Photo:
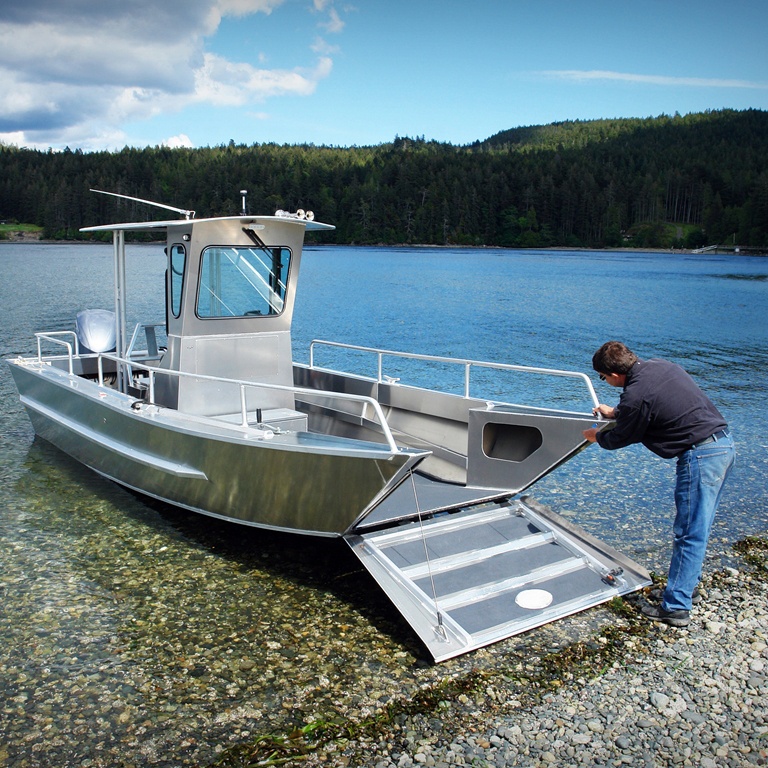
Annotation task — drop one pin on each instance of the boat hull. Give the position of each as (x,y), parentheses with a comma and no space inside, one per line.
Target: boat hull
(295,482)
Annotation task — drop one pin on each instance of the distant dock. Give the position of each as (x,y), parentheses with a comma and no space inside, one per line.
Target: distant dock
(747,250)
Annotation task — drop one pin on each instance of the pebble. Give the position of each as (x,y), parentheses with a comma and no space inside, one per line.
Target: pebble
(659,700)
(696,697)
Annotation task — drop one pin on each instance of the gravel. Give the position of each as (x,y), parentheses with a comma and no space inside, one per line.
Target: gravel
(690,697)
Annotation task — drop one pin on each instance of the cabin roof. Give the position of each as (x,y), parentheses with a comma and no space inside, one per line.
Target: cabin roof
(148,226)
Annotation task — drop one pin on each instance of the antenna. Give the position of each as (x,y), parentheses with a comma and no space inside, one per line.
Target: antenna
(244,192)
(186,214)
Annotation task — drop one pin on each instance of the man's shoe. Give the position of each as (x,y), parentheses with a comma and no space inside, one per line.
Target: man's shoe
(679,618)
(657,593)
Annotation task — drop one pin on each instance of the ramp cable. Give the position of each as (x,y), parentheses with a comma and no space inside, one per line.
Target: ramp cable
(439,629)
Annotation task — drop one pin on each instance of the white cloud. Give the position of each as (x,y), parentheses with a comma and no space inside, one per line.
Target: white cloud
(224,83)
(334,23)
(182,140)
(76,72)
(221,8)
(62,55)
(697,82)
(15,138)
(247,7)
(320,46)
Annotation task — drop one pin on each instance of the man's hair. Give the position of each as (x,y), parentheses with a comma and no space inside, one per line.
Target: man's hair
(613,357)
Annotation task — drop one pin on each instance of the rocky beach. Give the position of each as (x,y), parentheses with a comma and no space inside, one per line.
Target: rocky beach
(635,693)
(691,697)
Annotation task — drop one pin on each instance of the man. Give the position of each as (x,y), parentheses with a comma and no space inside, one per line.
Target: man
(663,408)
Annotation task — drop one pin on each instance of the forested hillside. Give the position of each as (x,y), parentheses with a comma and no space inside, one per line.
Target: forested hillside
(666,181)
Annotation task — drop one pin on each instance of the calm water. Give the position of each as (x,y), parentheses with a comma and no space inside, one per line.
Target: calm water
(553,309)
(136,634)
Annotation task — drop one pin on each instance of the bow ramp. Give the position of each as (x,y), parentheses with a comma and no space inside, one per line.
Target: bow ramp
(491,570)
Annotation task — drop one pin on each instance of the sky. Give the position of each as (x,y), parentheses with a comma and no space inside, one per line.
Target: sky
(105,74)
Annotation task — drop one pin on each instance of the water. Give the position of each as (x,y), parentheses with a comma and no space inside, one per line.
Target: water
(554,309)
(135,634)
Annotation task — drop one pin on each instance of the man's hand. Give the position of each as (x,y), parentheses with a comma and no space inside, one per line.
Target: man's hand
(591,434)
(604,411)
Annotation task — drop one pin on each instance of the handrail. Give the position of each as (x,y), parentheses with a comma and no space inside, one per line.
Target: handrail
(51,336)
(467,363)
(244,385)
(134,338)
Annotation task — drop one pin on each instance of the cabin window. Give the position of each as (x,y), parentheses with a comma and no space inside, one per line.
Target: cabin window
(242,282)
(178,261)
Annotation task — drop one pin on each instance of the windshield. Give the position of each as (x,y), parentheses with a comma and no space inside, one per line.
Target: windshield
(242,282)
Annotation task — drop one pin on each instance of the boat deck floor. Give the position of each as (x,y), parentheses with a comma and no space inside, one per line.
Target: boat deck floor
(430,496)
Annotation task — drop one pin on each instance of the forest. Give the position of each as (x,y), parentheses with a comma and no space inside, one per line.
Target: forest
(658,182)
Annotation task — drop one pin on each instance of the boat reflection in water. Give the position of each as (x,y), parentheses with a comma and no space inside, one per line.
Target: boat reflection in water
(208,411)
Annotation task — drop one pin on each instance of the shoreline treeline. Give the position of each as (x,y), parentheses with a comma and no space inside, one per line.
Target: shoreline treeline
(682,181)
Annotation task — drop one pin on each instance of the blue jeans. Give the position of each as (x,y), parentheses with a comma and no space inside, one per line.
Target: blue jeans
(701,475)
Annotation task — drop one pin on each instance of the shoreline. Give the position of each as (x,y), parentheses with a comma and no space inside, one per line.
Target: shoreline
(635,692)
(29,239)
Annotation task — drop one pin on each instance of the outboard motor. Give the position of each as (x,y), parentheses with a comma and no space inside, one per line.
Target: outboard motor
(96,330)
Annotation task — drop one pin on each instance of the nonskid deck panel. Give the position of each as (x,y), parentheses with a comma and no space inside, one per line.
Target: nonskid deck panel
(466,579)
(430,497)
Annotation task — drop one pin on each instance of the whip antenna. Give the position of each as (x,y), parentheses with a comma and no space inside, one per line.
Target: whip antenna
(186,214)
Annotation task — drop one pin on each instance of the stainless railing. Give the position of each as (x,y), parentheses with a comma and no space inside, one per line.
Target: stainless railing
(150,336)
(365,401)
(468,365)
(244,386)
(52,336)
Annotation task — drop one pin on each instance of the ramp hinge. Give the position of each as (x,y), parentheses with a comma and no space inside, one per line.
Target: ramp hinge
(612,577)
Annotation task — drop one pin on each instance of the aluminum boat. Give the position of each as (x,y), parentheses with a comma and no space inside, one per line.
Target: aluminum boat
(208,411)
